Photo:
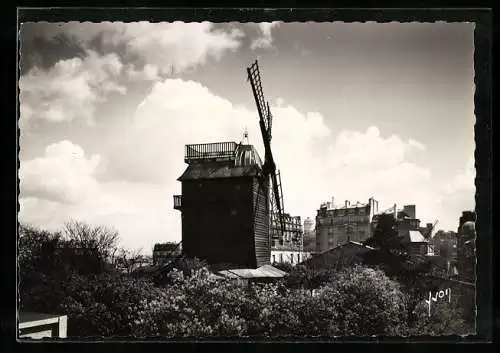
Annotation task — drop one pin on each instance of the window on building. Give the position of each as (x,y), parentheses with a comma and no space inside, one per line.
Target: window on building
(274,258)
(281,257)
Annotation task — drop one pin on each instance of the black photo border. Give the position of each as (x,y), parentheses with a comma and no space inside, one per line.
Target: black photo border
(483,154)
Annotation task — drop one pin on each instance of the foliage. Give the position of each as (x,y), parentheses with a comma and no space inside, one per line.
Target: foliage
(445,319)
(100,238)
(127,260)
(283,266)
(416,274)
(191,302)
(305,277)
(366,302)
(182,264)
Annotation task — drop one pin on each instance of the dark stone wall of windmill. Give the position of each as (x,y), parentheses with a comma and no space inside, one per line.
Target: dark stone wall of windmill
(217,220)
(261,222)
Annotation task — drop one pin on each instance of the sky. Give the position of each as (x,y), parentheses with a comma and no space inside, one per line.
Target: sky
(360,110)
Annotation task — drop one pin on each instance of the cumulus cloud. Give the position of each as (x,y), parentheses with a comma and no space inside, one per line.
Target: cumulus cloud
(265,40)
(64,174)
(70,89)
(62,185)
(136,196)
(459,194)
(464,180)
(165,46)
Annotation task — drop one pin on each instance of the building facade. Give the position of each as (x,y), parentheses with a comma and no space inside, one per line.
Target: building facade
(409,231)
(336,225)
(309,235)
(466,247)
(289,246)
(445,245)
(166,252)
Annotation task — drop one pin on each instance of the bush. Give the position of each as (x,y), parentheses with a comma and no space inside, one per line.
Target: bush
(283,266)
(308,278)
(366,302)
(109,304)
(445,319)
(191,302)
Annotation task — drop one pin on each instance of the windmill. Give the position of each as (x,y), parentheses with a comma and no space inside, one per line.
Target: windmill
(269,171)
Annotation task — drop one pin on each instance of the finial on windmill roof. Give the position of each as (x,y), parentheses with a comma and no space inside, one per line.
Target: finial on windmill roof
(245,136)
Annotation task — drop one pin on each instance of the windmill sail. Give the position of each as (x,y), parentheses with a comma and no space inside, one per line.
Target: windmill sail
(269,168)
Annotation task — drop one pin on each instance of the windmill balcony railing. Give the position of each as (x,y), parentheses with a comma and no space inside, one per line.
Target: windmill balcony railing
(210,151)
(178,202)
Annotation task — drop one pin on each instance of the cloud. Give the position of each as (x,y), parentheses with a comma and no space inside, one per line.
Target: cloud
(459,194)
(70,89)
(167,47)
(62,175)
(131,185)
(265,40)
(62,185)
(464,180)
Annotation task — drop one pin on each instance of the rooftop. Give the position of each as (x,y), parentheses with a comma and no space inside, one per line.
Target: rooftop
(220,160)
(238,155)
(266,271)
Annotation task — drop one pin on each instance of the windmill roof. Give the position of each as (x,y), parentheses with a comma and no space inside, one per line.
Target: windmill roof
(217,171)
(221,160)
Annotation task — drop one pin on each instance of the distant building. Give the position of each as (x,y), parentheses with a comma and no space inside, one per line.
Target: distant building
(347,254)
(309,235)
(338,225)
(166,252)
(466,247)
(409,232)
(427,230)
(289,246)
(445,245)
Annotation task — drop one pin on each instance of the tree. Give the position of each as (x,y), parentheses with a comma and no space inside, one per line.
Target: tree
(414,273)
(128,259)
(366,302)
(101,239)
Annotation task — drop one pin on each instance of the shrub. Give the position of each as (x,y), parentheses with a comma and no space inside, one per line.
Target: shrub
(110,304)
(365,302)
(308,278)
(284,266)
(445,319)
